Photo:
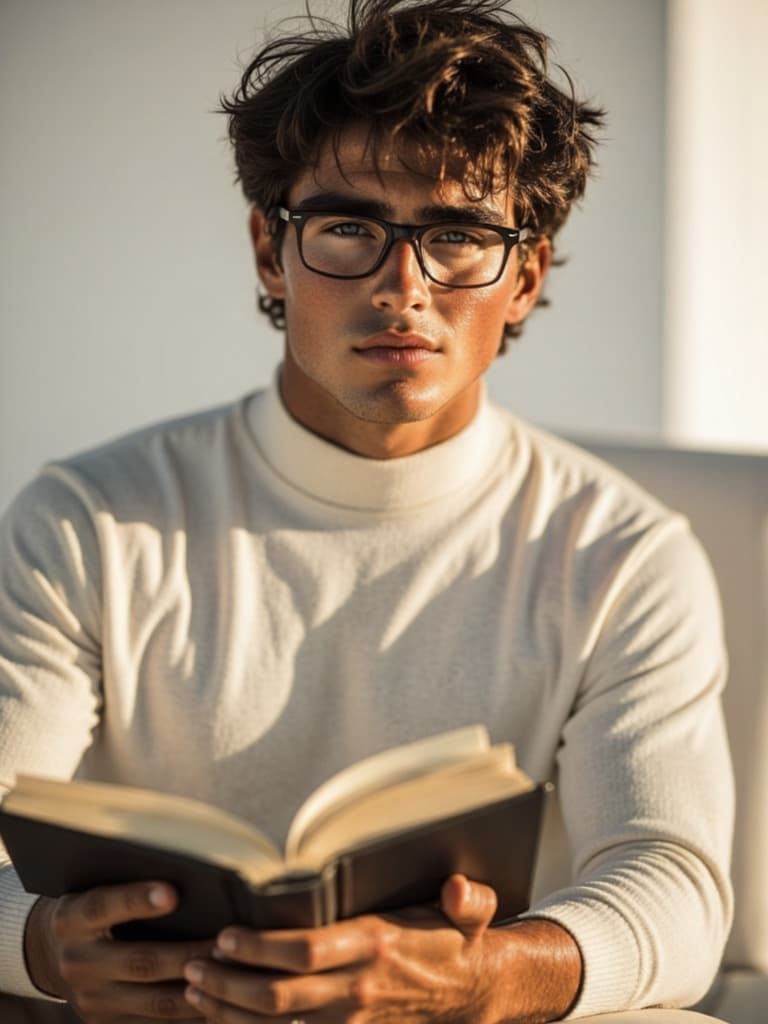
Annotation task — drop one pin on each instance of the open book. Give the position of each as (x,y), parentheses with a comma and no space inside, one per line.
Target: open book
(381,834)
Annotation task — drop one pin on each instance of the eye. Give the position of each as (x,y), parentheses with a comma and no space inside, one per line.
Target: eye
(455,236)
(349,229)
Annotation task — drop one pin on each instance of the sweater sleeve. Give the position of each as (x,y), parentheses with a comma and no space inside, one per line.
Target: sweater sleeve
(645,785)
(50,665)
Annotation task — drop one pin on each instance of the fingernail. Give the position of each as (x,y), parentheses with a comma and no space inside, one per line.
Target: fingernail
(193,972)
(227,942)
(159,896)
(192,995)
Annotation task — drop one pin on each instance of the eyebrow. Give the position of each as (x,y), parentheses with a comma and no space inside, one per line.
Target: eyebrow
(338,202)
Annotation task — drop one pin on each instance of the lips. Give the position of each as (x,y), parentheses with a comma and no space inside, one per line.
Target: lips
(392,350)
(390,340)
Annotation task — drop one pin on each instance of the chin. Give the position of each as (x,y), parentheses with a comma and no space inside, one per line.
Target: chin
(396,402)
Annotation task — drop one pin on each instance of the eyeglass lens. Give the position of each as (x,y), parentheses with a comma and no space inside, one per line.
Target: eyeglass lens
(453,254)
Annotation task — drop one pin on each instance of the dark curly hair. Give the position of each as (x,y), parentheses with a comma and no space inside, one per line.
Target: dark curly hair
(462,80)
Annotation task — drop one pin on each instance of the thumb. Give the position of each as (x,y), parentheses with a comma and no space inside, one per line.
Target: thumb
(469,906)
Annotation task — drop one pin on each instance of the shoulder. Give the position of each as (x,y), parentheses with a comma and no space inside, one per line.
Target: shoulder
(146,475)
(590,527)
(564,479)
(161,461)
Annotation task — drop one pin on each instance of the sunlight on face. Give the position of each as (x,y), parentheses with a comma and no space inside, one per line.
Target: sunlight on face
(391,362)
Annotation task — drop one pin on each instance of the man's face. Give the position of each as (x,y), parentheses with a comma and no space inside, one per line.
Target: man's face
(391,363)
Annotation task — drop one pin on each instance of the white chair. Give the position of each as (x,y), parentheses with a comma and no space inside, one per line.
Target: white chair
(725,497)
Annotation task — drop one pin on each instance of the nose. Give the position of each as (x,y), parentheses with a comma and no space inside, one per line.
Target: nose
(400,284)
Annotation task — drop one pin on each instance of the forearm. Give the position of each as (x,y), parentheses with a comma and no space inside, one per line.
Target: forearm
(650,920)
(537,969)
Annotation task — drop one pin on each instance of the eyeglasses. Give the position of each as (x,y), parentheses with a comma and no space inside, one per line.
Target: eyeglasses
(454,254)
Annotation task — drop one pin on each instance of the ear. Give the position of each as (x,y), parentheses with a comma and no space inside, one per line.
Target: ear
(530,281)
(267,262)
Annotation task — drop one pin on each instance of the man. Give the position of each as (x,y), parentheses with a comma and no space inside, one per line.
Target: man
(238,604)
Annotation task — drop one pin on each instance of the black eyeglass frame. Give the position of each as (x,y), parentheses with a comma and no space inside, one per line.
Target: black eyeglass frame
(410,232)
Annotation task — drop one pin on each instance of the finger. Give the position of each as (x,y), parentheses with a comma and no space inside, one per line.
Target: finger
(221,1013)
(94,912)
(142,1002)
(133,1019)
(469,906)
(308,950)
(269,994)
(213,1010)
(136,962)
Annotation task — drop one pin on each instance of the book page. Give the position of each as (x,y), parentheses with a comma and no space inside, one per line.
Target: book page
(384,769)
(452,790)
(157,819)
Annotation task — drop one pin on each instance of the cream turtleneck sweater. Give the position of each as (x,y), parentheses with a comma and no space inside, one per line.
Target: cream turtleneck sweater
(229,607)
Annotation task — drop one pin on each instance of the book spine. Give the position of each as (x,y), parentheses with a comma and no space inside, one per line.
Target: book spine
(295,901)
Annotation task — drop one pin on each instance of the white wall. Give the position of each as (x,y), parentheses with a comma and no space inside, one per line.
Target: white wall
(716,362)
(126,287)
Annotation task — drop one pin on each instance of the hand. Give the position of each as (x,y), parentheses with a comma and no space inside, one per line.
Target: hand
(71,954)
(422,965)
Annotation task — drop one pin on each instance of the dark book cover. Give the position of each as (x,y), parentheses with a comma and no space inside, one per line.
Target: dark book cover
(495,844)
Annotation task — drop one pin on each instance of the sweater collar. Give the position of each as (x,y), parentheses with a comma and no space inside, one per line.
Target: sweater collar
(333,475)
